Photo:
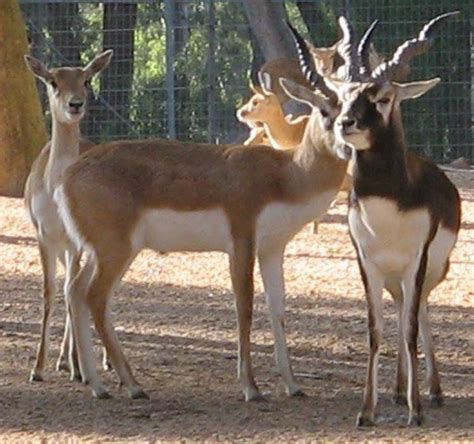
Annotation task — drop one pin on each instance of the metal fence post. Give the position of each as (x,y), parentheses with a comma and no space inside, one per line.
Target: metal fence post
(211,74)
(170,57)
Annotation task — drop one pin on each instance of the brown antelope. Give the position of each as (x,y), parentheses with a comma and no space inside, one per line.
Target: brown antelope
(249,202)
(67,93)
(404,214)
(265,108)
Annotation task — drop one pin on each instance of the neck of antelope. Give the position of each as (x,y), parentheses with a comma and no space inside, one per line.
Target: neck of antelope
(315,156)
(65,139)
(281,133)
(383,167)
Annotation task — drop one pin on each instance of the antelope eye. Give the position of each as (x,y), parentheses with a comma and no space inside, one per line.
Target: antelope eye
(87,84)
(384,101)
(53,84)
(324,113)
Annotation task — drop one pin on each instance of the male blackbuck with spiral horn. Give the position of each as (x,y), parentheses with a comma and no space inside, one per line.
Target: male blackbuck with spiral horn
(404,214)
(249,202)
(67,93)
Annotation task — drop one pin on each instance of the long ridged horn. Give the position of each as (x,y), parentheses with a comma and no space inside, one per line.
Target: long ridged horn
(348,49)
(398,68)
(307,65)
(363,50)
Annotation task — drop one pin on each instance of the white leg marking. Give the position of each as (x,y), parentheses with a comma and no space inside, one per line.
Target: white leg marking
(82,328)
(271,268)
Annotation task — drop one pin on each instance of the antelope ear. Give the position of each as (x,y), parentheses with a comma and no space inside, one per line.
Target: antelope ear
(265,82)
(304,95)
(99,63)
(255,89)
(413,90)
(375,59)
(38,69)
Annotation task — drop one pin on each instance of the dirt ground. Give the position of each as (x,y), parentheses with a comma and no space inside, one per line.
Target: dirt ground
(175,317)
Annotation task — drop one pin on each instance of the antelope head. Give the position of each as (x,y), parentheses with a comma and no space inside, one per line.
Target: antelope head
(370,99)
(263,105)
(68,87)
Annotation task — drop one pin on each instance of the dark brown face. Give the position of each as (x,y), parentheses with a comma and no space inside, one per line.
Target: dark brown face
(366,107)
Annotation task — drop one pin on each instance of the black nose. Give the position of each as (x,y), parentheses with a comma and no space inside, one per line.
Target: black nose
(347,123)
(76,105)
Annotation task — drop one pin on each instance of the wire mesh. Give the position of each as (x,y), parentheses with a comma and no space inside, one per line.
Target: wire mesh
(182,67)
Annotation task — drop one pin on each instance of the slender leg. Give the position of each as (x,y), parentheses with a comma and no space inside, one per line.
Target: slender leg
(68,354)
(412,284)
(48,263)
(93,294)
(373,283)
(241,270)
(399,395)
(271,267)
(436,394)
(79,316)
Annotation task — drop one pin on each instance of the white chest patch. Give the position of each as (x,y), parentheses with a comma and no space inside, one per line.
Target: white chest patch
(169,230)
(278,223)
(45,212)
(391,239)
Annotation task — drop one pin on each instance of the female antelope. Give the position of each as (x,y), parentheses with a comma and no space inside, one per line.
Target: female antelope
(67,89)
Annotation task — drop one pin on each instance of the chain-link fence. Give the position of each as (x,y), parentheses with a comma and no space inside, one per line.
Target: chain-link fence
(182,67)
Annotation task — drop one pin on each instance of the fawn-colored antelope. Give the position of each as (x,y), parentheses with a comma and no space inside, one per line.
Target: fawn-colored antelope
(67,93)
(265,108)
(404,214)
(249,202)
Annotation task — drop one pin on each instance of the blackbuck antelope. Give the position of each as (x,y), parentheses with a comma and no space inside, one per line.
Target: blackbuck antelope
(67,93)
(249,202)
(404,214)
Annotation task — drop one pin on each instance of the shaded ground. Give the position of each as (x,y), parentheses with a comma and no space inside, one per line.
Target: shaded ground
(176,321)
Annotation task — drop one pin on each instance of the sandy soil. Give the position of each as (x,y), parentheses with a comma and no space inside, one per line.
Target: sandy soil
(175,318)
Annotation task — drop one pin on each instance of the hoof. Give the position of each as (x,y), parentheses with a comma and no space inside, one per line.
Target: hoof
(101,393)
(138,393)
(297,393)
(415,420)
(436,400)
(107,366)
(62,366)
(253,395)
(75,377)
(35,377)
(399,398)
(363,420)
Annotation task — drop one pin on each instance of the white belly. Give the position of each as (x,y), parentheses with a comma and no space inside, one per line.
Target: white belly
(389,238)
(169,230)
(278,223)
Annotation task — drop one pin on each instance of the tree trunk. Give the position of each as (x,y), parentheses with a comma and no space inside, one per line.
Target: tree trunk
(116,82)
(267,21)
(22,129)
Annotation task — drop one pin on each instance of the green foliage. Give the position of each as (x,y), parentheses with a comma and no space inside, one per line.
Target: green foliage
(437,125)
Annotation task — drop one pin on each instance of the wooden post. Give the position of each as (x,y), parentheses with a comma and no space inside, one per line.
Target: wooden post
(22,128)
